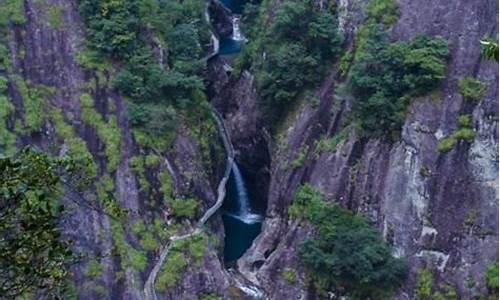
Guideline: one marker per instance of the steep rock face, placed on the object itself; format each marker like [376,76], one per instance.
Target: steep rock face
[220,19]
[238,102]
[438,210]
[44,51]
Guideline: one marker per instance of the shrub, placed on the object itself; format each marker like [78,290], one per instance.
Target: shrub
[492,277]
[109,132]
[464,121]
[472,89]
[346,254]
[7,138]
[447,144]
[54,14]
[465,134]
[301,158]
[94,269]
[383,11]
[290,276]
[183,208]
[197,247]
[425,283]
[137,165]
[171,271]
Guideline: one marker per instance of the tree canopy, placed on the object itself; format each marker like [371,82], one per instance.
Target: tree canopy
[33,255]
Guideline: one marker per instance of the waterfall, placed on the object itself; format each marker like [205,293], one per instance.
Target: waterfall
[237,36]
[244,206]
[244,210]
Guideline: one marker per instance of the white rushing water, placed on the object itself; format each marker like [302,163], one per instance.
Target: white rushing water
[237,36]
[244,210]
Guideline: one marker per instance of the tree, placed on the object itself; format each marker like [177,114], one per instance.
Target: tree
[346,254]
[386,75]
[33,256]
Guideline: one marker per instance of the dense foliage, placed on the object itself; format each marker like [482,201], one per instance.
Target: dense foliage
[33,257]
[159,45]
[293,53]
[347,254]
[471,89]
[386,75]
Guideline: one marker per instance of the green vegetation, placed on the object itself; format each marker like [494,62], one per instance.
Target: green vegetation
[178,260]
[137,163]
[383,11]
[180,207]
[197,247]
[109,132]
[210,297]
[425,284]
[105,188]
[158,91]
[472,89]
[446,144]
[490,49]
[426,290]
[35,112]
[129,256]
[290,276]
[7,138]
[492,280]
[183,207]
[171,271]
[300,44]
[54,14]
[94,269]
[463,133]
[330,144]
[145,235]
[152,160]
[33,257]
[301,158]
[346,254]
[12,12]
[385,76]
[77,148]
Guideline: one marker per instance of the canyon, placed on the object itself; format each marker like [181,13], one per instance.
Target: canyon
[437,210]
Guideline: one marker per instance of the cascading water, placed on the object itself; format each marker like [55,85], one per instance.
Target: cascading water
[244,213]
[241,224]
[233,44]
[237,36]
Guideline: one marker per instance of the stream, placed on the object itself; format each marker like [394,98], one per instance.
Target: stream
[232,46]
[241,223]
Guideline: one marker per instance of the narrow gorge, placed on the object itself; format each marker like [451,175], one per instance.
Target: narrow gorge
[249,149]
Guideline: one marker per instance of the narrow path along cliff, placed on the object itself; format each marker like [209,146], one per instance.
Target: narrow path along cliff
[149,286]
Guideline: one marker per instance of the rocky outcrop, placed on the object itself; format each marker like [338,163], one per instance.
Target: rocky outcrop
[220,18]
[438,210]
[238,102]
[46,53]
